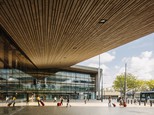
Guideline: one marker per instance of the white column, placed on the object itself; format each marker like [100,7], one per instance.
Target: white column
[99,80]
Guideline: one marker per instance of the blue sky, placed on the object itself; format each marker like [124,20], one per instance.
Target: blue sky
[138,54]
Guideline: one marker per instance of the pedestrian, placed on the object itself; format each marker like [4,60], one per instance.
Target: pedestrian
[14,100]
[148,99]
[32,98]
[85,99]
[7,99]
[38,100]
[88,98]
[120,101]
[61,100]
[27,98]
[68,102]
[109,101]
[55,99]
[135,100]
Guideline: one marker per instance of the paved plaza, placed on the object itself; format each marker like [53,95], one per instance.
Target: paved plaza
[77,108]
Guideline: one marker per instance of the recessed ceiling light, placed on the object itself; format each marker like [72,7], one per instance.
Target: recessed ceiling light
[74,47]
[102,21]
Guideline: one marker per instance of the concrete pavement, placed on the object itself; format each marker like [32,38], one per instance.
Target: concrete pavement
[77,108]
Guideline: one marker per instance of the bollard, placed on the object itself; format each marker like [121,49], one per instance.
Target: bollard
[151,103]
[144,103]
[139,102]
[128,101]
[131,101]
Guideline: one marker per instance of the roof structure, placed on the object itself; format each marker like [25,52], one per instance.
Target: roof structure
[61,33]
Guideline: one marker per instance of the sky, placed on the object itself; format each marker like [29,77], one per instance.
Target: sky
[138,55]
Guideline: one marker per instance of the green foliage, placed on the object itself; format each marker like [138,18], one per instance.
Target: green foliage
[133,84]
[142,85]
[131,81]
[150,84]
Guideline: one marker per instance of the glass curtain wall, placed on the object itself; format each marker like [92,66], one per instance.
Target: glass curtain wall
[75,85]
[18,76]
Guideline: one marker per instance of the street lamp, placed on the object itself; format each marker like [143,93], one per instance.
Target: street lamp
[125,85]
[102,90]
[99,79]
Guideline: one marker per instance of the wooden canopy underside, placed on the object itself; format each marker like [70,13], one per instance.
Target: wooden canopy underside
[61,33]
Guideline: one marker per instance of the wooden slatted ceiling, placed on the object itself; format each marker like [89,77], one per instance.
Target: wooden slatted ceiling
[59,33]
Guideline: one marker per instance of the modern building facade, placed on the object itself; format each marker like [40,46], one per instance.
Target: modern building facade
[40,41]
[18,76]
[76,85]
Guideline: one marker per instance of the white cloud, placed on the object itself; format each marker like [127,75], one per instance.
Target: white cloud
[116,67]
[106,57]
[146,54]
[141,66]
[104,67]
[93,62]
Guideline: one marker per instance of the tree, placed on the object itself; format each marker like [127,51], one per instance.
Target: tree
[142,85]
[150,84]
[131,80]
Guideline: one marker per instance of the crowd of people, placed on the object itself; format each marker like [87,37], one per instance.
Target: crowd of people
[120,100]
[12,100]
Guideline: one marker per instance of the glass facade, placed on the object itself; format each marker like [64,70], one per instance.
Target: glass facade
[20,77]
[76,85]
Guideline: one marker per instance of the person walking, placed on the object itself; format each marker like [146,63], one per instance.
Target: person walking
[120,101]
[55,99]
[109,101]
[14,100]
[38,100]
[27,99]
[7,99]
[85,99]
[61,100]
[68,102]
[10,101]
